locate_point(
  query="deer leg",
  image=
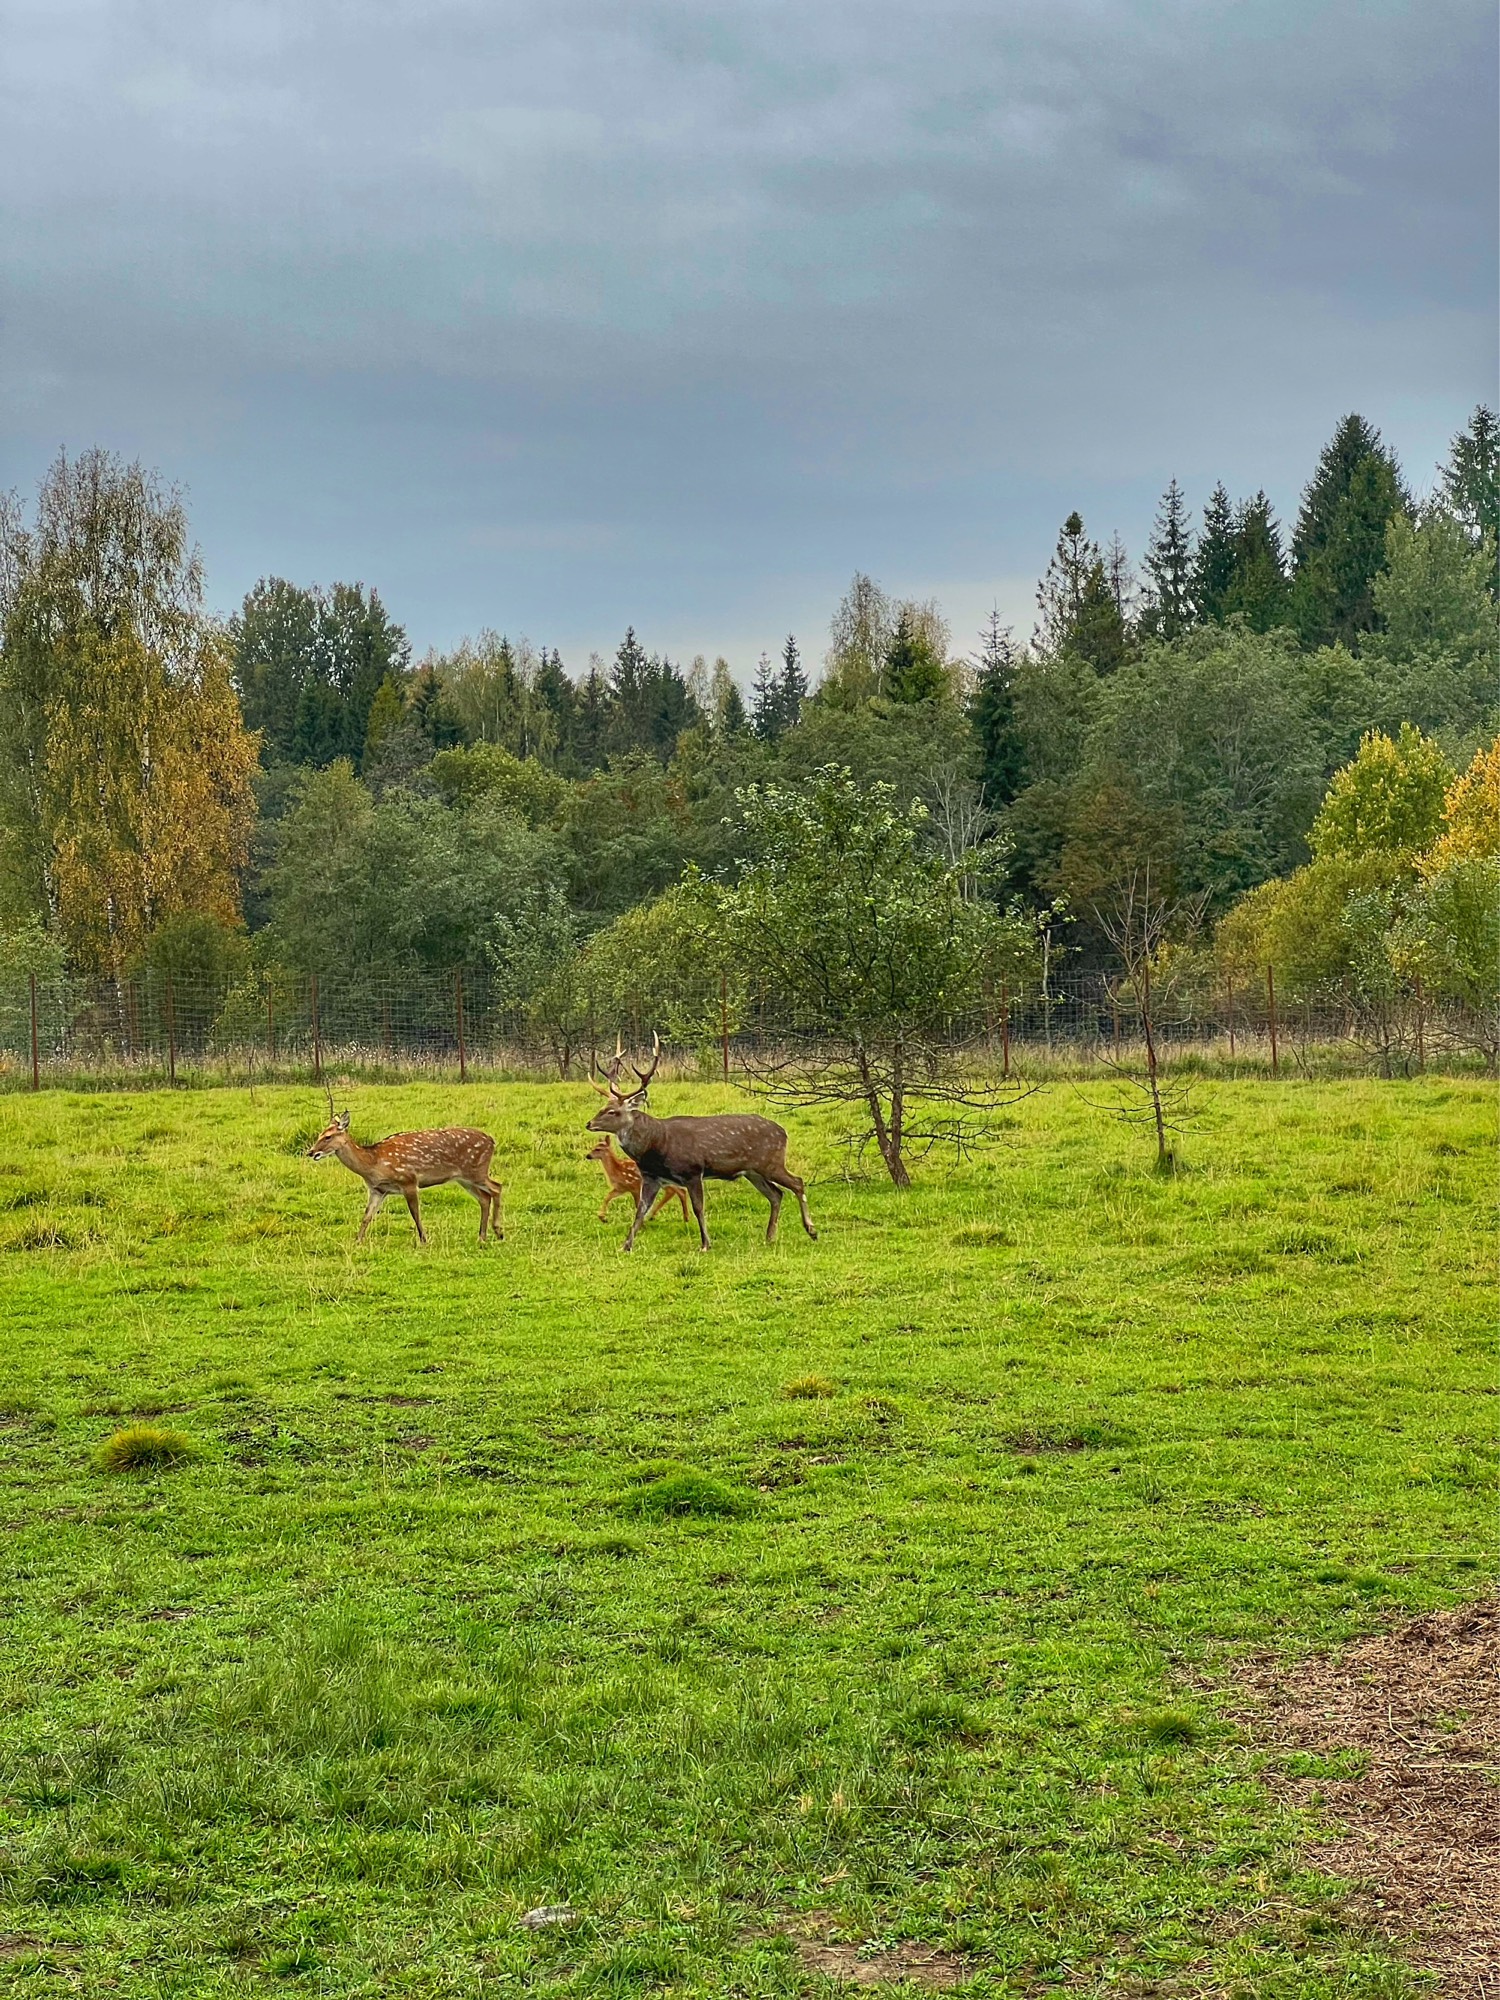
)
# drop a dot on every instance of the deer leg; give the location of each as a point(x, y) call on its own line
point(416, 1212)
point(497, 1209)
point(799, 1188)
point(695, 1195)
point(609, 1200)
point(481, 1193)
point(372, 1209)
point(649, 1191)
point(773, 1196)
point(667, 1195)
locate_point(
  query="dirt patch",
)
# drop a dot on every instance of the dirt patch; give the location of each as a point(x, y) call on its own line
point(1396, 1743)
point(872, 1964)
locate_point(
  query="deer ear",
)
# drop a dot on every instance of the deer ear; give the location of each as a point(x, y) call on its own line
point(342, 1121)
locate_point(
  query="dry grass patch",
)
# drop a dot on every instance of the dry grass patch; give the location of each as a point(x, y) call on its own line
point(1397, 1741)
point(144, 1447)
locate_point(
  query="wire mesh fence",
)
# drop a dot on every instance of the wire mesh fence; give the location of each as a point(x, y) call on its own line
point(157, 1029)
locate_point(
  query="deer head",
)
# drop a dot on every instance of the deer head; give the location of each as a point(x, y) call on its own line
point(332, 1136)
point(623, 1107)
point(603, 1151)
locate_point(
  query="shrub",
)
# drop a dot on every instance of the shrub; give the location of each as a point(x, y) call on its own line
point(139, 1447)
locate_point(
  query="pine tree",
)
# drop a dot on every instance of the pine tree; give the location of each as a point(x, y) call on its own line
point(765, 703)
point(1169, 565)
point(791, 686)
point(273, 641)
point(992, 712)
point(913, 672)
point(1213, 567)
point(1338, 548)
point(1471, 478)
point(1257, 587)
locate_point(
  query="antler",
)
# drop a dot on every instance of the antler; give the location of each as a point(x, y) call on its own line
point(640, 1080)
point(328, 1093)
point(610, 1075)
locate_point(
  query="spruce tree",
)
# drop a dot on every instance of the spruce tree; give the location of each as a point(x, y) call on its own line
point(1059, 595)
point(591, 719)
point(1338, 548)
point(1169, 566)
point(1471, 478)
point(1213, 567)
point(1099, 632)
point(1257, 587)
point(631, 696)
point(791, 686)
point(765, 701)
point(992, 712)
point(913, 672)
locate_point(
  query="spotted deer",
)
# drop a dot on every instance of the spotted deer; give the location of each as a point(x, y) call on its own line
point(408, 1161)
point(624, 1178)
point(684, 1152)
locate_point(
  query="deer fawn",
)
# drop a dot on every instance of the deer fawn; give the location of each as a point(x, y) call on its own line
point(624, 1178)
point(411, 1160)
point(684, 1152)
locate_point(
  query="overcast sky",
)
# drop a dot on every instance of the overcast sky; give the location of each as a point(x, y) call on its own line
point(554, 315)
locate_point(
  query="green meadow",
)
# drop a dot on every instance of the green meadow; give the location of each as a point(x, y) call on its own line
point(886, 1588)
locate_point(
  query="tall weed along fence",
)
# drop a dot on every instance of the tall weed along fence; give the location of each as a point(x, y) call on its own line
point(156, 1030)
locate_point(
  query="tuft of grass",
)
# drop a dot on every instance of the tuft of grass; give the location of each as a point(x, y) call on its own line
point(143, 1448)
point(980, 1236)
point(1167, 1726)
point(685, 1493)
point(809, 1388)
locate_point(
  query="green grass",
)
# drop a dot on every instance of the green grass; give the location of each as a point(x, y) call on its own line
point(894, 1576)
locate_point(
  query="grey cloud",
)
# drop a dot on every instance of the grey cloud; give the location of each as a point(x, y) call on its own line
point(561, 314)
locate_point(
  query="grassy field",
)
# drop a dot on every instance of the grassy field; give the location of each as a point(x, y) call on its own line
point(878, 1587)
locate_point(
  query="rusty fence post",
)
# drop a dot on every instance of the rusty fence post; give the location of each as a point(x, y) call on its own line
point(724, 1022)
point(1271, 1015)
point(36, 1052)
point(317, 1031)
point(1421, 1026)
point(458, 1009)
point(1229, 1011)
point(1005, 1028)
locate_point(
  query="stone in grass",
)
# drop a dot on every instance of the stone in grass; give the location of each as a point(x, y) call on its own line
point(551, 1914)
point(143, 1448)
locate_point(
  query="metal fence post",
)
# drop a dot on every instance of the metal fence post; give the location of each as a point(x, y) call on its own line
point(724, 1022)
point(171, 1034)
point(36, 1053)
point(317, 1028)
point(458, 1003)
point(1005, 1028)
point(270, 1020)
point(1271, 1011)
point(1421, 1026)
point(1229, 1012)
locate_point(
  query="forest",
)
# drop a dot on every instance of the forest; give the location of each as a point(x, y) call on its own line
point(1288, 735)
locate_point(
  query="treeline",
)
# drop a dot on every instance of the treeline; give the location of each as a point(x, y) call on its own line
point(292, 787)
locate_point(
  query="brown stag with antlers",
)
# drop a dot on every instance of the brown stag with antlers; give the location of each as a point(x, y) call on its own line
point(684, 1152)
point(408, 1161)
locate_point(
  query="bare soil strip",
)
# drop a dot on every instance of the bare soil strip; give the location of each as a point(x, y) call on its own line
point(1405, 1731)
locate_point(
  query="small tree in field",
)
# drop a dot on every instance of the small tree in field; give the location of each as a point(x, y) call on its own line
point(866, 953)
point(1139, 921)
